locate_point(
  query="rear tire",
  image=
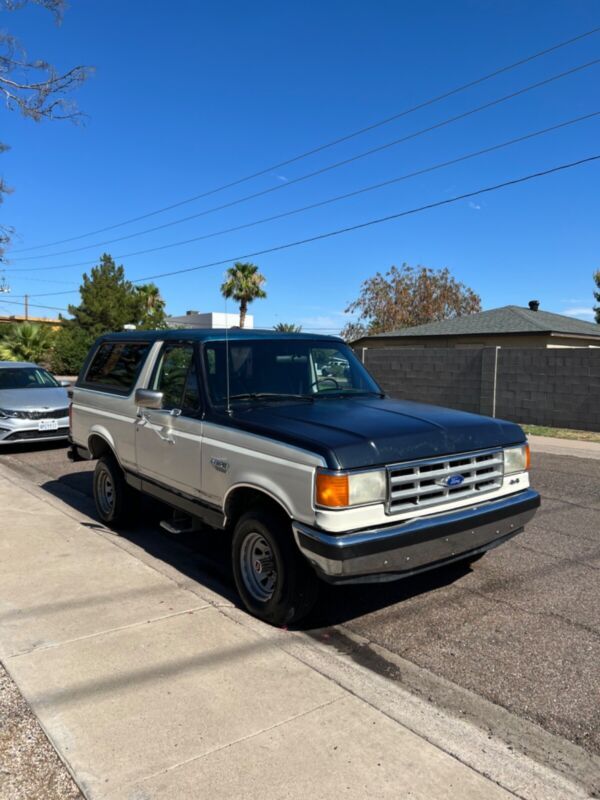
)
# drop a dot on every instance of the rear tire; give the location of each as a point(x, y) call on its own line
point(112, 495)
point(275, 582)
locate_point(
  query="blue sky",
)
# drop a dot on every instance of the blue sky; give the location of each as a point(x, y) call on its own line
point(187, 96)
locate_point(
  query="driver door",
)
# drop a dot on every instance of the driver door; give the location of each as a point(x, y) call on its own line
point(168, 440)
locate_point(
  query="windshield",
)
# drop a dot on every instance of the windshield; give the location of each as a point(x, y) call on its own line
point(276, 369)
point(26, 378)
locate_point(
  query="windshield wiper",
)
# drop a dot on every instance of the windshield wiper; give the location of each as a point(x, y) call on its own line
point(349, 392)
point(271, 396)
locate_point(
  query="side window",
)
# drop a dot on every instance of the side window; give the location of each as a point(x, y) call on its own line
point(176, 378)
point(116, 365)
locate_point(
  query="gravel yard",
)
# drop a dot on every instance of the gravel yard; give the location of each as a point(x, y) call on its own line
point(29, 766)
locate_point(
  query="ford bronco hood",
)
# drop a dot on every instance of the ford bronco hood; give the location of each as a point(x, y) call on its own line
point(369, 431)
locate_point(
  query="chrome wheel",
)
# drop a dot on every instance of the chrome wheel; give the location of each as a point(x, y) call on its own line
point(105, 493)
point(258, 567)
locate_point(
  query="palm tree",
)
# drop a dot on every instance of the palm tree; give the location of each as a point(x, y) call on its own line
point(23, 341)
point(151, 306)
point(244, 284)
point(287, 327)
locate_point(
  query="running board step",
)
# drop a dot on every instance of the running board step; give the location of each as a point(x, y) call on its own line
point(177, 526)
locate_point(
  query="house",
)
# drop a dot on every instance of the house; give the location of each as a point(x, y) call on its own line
point(508, 326)
point(209, 319)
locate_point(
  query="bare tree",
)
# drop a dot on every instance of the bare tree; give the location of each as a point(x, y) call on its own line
point(408, 296)
point(33, 87)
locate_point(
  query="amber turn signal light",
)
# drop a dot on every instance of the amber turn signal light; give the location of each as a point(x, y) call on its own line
point(332, 490)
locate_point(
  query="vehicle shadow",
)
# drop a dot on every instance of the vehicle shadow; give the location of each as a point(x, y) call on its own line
point(339, 604)
point(19, 448)
point(204, 556)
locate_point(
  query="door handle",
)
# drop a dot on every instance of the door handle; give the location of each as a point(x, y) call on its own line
point(144, 417)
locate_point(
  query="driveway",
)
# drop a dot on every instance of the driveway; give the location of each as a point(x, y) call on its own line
point(521, 628)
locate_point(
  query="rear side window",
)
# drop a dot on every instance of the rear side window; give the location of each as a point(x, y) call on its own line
point(116, 365)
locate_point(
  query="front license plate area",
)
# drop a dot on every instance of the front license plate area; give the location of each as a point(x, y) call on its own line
point(48, 425)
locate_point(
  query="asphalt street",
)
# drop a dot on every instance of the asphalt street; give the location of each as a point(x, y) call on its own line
point(520, 628)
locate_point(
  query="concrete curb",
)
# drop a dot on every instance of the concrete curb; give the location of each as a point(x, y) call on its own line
point(564, 447)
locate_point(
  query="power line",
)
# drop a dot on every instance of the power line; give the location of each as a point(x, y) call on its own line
point(327, 168)
point(372, 187)
point(33, 305)
point(369, 223)
point(377, 221)
point(333, 143)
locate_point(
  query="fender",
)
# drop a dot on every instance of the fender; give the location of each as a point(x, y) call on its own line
point(266, 487)
point(102, 433)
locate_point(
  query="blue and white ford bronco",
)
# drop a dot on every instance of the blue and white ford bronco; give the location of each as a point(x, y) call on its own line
point(287, 444)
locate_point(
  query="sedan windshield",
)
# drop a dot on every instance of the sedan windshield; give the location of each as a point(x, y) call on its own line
point(26, 378)
point(271, 370)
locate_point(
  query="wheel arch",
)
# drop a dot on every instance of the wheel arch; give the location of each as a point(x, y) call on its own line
point(245, 497)
point(100, 443)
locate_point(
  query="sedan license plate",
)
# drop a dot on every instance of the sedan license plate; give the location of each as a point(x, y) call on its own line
point(48, 425)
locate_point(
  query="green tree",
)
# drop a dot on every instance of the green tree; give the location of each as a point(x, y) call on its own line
point(287, 327)
point(108, 300)
point(597, 296)
point(23, 341)
point(408, 296)
point(243, 283)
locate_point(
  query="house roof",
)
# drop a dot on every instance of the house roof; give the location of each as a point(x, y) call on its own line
point(507, 319)
point(192, 320)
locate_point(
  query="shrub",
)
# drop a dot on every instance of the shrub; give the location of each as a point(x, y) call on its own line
point(24, 341)
point(71, 346)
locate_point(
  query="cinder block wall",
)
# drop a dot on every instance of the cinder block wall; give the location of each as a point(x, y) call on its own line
point(557, 387)
point(443, 376)
point(550, 387)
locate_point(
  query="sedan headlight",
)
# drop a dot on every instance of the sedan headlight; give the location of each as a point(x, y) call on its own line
point(516, 459)
point(346, 489)
point(5, 413)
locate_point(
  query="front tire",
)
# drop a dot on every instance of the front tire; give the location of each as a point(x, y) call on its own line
point(112, 495)
point(275, 582)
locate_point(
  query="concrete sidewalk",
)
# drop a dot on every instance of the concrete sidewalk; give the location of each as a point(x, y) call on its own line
point(151, 686)
point(564, 447)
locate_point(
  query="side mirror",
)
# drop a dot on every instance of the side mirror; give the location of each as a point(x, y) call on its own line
point(64, 384)
point(146, 398)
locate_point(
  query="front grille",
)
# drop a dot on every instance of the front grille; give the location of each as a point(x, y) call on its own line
point(19, 436)
point(424, 483)
point(56, 413)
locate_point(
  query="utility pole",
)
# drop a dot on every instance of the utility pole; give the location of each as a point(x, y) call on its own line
point(26, 306)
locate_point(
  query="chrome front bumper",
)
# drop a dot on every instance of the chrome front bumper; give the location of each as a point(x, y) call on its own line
point(424, 543)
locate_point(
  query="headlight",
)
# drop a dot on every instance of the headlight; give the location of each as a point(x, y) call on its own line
point(4, 414)
point(516, 459)
point(344, 489)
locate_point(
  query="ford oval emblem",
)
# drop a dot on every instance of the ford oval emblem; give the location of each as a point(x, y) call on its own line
point(454, 480)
